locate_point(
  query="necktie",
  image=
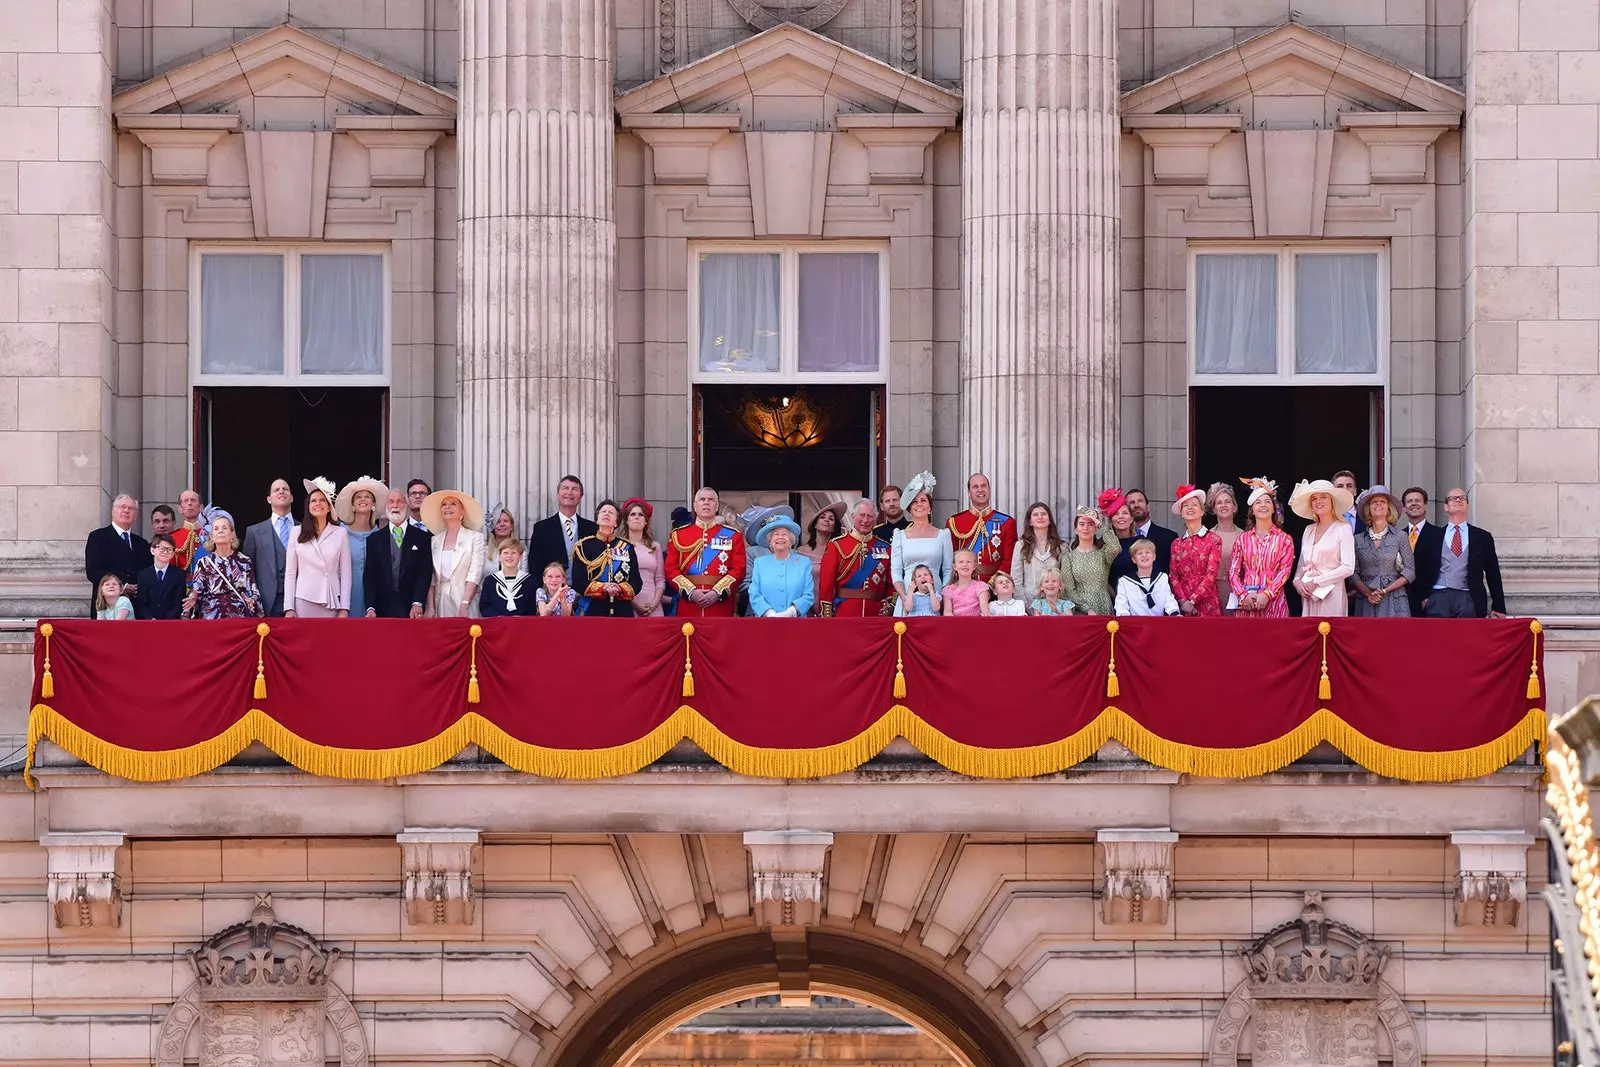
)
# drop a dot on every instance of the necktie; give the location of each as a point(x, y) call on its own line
point(1455, 540)
point(127, 539)
point(566, 529)
point(399, 535)
point(283, 529)
point(1414, 529)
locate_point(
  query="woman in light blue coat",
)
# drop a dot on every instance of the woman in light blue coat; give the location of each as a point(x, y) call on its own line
point(780, 581)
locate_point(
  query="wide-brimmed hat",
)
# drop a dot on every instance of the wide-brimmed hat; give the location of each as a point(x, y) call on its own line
point(1395, 513)
point(756, 518)
point(325, 485)
point(1300, 499)
point(344, 505)
point(433, 516)
point(777, 522)
point(839, 508)
point(1184, 493)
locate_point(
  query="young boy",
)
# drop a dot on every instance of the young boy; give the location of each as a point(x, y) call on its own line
point(161, 585)
point(506, 592)
point(1146, 592)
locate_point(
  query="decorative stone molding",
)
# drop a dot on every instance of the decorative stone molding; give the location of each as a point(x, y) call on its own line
point(1181, 144)
point(397, 145)
point(786, 869)
point(680, 145)
point(788, 181)
point(1300, 959)
point(1138, 875)
point(438, 876)
point(764, 17)
point(1492, 883)
point(278, 961)
point(180, 145)
point(897, 144)
point(83, 886)
point(1399, 141)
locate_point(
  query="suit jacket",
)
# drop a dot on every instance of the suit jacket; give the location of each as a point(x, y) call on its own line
point(319, 570)
point(261, 544)
point(546, 545)
point(160, 598)
point(105, 552)
point(393, 601)
point(1483, 569)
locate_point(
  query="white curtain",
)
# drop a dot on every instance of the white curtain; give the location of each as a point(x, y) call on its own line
point(1236, 314)
point(740, 312)
point(839, 311)
point(241, 314)
point(341, 314)
point(1336, 313)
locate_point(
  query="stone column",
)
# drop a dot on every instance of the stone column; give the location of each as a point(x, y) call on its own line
point(1039, 218)
point(537, 363)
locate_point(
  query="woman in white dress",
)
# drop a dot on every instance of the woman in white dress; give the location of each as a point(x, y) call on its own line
point(920, 543)
point(459, 550)
point(1327, 548)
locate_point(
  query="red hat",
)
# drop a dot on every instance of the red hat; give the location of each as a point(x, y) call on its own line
point(649, 512)
point(1110, 500)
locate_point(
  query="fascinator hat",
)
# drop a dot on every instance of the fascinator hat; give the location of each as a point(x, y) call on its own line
point(1185, 493)
point(321, 485)
point(919, 483)
point(1259, 487)
point(1092, 514)
point(1111, 501)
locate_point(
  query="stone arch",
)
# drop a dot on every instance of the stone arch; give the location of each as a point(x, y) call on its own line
point(675, 987)
point(1227, 1036)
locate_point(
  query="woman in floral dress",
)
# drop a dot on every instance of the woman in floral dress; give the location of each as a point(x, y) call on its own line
point(223, 585)
point(1086, 566)
point(1263, 556)
point(1196, 556)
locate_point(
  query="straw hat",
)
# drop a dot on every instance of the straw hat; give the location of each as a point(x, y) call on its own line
point(1395, 514)
point(1185, 493)
point(1300, 499)
point(344, 505)
point(433, 515)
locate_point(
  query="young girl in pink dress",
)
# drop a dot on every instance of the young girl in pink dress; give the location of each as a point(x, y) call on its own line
point(966, 595)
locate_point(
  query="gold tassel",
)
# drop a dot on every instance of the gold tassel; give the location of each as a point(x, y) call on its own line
point(899, 660)
point(262, 630)
point(1534, 690)
point(688, 663)
point(1324, 689)
point(473, 695)
point(47, 681)
point(1113, 687)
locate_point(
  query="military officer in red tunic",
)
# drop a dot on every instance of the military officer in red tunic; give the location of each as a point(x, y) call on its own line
point(854, 581)
point(705, 561)
point(988, 534)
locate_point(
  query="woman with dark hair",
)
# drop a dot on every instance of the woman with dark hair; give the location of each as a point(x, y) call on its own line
point(605, 570)
point(1086, 566)
point(1113, 504)
point(652, 560)
point(823, 527)
point(316, 566)
point(1263, 556)
point(1039, 549)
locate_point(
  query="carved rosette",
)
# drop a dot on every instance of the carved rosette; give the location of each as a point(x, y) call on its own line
point(807, 14)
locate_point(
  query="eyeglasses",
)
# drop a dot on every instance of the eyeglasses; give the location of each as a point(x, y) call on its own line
point(1455, 500)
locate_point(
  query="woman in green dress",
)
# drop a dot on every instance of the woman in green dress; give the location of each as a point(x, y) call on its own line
point(1086, 564)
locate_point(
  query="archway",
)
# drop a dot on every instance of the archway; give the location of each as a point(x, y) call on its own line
point(680, 986)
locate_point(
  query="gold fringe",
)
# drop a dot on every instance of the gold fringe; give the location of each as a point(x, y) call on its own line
point(1324, 689)
point(473, 695)
point(1113, 687)
point(1533, 672)
point(899, 660)
point(262, 630)
point(47, 681)
point(688, 662)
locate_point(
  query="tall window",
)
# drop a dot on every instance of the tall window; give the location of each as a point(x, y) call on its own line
point(280, 316)
point(1287, 315)
point(788, 313)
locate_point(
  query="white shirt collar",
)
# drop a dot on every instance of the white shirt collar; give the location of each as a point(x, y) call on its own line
point(120, 531)
point(1143, 529)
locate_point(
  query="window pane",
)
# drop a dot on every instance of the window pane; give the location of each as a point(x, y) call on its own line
point(241, 314)
point(739, 312)
point(341, 314)
point(1235, 314)
point(839, 312)
point(1336, 313)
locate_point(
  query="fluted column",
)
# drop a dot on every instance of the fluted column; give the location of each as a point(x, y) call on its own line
point(537, 362)
point(1039, 235)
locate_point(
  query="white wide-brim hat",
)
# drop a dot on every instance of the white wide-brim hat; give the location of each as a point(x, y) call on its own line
point(433, 515)
point(1300, 499)
point(344, 505)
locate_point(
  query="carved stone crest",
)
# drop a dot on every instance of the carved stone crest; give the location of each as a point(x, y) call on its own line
point(808, 14)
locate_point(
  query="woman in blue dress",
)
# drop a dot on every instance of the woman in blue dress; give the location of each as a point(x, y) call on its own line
point(357, 508)
point(780, 580)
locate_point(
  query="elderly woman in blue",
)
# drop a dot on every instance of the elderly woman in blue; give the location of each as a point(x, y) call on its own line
point(780, 581)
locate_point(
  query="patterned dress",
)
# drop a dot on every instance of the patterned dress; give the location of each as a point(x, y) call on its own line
point(1262, 565)
point(225, 587)
point(1195, 561)
point(1379, 561)
point(1086, 576)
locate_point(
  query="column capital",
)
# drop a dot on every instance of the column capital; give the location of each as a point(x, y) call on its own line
point(1492, 881)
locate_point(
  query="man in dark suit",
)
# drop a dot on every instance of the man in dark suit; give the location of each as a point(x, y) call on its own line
point(1414, 502)
point(267, 544)
point(162, 584)
point(1458, 572)
point(1156, 534)
point(399, 565)
point(552, 539)
point(116, 549)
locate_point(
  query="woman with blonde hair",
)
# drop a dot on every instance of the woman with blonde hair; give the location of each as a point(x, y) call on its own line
point(503, 529)
point(316, 569)
point(1224, 504)
point(459, 553)
point(357, 507)
point(1385, 564)
point(223, 585)
point(1327, 548)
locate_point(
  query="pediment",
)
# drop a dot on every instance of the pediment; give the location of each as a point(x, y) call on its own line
point(786, 78)
point(1291, 76)
point(285, 77)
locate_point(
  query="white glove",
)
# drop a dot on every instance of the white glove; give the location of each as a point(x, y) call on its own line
point(790, 612)
point(769, 614)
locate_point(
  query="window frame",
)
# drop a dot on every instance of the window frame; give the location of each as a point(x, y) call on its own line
point(292, 254)
point(789, 253)
point(1287, 252)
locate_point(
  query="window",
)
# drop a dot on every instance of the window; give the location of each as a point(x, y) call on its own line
point(788, 313)
point(1293, 314)
point(280, 316)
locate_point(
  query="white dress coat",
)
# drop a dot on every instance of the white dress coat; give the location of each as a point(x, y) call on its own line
point(450, 599)
point(318, 571)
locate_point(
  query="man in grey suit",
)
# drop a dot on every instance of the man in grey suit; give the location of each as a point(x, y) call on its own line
point(266, 543)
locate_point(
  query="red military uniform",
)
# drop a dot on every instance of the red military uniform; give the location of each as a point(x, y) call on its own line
point(854, 578)
point(706, 557)
point(989, 534)
point(186, 538)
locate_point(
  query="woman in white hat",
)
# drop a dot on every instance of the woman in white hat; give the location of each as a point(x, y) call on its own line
point(919, 543)
point(1263, 556)
point(357, 508)
point(459, 551)
point(316, 565)
point(1385, 564)
point(1327, 548)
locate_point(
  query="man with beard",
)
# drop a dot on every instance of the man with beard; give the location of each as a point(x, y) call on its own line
point(1160, 536)
point(854, 580)
point(890, 515)
point(399, 564)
